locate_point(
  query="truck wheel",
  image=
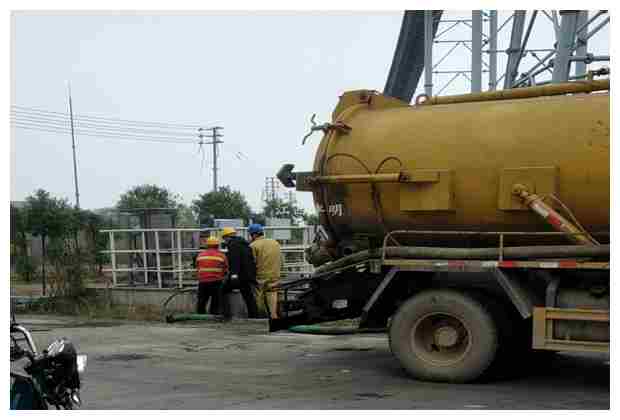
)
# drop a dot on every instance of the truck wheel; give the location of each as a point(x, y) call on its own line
point(444, 336)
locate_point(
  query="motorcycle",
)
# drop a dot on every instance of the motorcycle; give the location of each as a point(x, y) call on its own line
point(52, 377)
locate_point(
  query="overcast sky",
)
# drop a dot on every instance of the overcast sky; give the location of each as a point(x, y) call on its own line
point(259, 75)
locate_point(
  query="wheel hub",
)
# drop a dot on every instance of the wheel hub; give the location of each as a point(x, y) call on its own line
point(446, 336)
point(440, 339)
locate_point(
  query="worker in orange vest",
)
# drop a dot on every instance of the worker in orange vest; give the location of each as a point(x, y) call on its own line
point(212, 266)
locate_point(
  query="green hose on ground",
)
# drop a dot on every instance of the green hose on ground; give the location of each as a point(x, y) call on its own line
point(301, 329)
point(192, 317)
point(330, 330)
point(204, 317)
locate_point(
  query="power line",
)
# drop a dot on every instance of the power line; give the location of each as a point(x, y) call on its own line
point(83, 133)
point(104, 130)
point(107, 136)
point(91, 117)
point(132, 130)
point(65, 119)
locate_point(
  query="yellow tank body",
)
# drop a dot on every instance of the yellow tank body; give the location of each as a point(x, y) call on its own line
point(460, 162)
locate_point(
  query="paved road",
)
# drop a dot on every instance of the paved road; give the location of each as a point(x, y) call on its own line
point(240, 366)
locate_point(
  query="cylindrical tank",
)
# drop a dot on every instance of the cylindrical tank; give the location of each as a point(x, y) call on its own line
point(461, 161)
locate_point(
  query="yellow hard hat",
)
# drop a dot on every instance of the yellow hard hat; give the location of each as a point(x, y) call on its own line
point(228, 231)
point(212, 241)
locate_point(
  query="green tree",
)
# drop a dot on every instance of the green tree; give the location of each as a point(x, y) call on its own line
point(48, 217)
point(19, 230)
point(221, 204)
point(97, 241)
point(186, 216)
point(24, 268)
point(148, 196)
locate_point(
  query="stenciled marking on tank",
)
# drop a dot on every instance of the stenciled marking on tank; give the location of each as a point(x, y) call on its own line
point(335, 209)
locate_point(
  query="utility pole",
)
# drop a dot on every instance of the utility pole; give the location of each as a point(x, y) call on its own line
point(214, 141)
point(75, 177)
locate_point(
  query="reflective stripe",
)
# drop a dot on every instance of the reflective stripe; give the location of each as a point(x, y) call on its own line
point(210, 257)
point(211, 270)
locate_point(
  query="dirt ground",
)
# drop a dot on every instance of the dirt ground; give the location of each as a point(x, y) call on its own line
point(239, 365)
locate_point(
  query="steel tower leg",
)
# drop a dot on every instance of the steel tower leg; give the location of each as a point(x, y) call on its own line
point(568, 27)
point(476, 51)
point(492, 49)
point(514, 51)
point(428, 52)
point(582, 42)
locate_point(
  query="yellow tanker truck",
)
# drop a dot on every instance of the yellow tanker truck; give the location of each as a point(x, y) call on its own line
point(474, 227)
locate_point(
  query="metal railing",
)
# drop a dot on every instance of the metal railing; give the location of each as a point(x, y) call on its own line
point(163, 257)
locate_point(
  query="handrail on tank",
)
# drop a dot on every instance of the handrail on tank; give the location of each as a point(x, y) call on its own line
point(517, 93)
point(501, 235)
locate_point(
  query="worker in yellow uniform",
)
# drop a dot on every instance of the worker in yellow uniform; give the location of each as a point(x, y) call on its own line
point(268, 260)
point(212, 266)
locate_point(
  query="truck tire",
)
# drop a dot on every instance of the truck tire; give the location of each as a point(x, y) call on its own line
point(444, 336)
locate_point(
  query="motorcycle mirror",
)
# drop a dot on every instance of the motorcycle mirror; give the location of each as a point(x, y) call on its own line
point(81, 363)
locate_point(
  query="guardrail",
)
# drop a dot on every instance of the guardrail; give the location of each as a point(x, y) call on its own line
point(163, 257)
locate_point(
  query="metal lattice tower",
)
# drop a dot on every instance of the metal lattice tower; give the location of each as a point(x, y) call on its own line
point(507, 49)
point(271, 191)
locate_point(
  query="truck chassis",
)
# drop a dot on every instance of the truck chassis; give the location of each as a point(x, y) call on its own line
point(458, 320)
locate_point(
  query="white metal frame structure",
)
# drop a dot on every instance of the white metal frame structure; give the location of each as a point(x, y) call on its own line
point(180, 268)
point(479, 33)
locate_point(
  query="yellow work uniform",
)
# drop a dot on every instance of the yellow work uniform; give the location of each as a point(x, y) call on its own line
point(268, 260)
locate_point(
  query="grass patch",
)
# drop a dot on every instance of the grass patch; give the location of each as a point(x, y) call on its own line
point(91, 306)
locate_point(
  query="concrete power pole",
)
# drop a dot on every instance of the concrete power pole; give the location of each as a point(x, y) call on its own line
point(214, 141)
point(75, 177)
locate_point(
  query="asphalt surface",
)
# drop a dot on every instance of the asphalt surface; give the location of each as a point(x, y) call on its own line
point(238, 365)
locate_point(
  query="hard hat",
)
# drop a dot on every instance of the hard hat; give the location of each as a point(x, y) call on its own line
point(255, 228)
point(212, 241)
point(228, 231)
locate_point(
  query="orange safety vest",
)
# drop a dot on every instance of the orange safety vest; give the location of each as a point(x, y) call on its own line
point(211, 265)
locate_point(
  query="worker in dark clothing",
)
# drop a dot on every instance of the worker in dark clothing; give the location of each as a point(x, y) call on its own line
point(212, 266)
point(242, 269)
